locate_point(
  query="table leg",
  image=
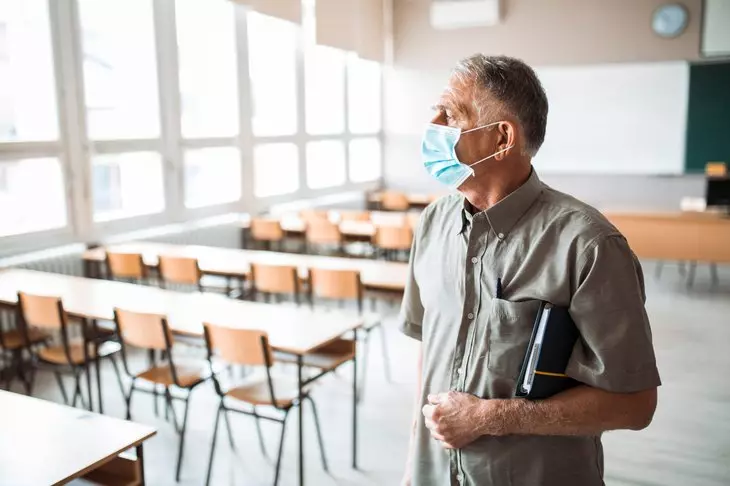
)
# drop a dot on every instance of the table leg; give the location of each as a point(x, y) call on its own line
point(85, 323)
point(97, 365)
point(354, 403)
point(140, 461)
point(301, 420)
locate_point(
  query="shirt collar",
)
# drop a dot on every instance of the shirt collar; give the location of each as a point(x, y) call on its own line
point(503, 215)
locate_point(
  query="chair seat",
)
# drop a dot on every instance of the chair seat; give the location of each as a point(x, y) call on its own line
point(188, 374)
point(256, 391)
point(14, 339)
point(327, 357)
point(57, 354)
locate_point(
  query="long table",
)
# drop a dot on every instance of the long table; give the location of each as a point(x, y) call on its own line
point(45, 443)
point(228, 262)
point(295, 330)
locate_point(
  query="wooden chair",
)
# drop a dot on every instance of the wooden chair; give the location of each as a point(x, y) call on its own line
point(126, 266)
point(267, 231)
point(392, 240)
point(274, 280)
point(323, 234)
point(180, 271)
point(251, 348)
point(45, 314)
point(354, 215)
point(13, 344)
point(152, 333)
point(308, 215)
point(345, 285)
point(394, 201)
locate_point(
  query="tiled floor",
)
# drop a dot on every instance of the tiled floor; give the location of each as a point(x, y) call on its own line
point(687, 444)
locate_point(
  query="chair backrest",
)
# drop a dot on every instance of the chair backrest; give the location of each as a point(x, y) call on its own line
point(41, 311)
point(266, 229)
point(314, 215)
point(335, 284)
point(322, 231)
point(125, 265)
point(239, 346)
point(354, 215)
point(394, 201)
point(142, 330)
point(275, 279)
point(179, 270)
point(393, 237)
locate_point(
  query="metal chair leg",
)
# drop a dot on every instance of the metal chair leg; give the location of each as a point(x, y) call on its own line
point(365, 360)
point(230, 430)
point(128, 400)
point(59, 380)
point(384, 349)
point(319, 433)
point(212, 445)
point(713, 275)
point(169, 406)
point(281, 449)
point(691, 274)
point(658, 269)
point(117, 373)
point(260, 434)
point(182, 437)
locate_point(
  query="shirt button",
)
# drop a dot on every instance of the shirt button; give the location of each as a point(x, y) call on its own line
point(474, 259)
point(470, 316)
point(500, 236)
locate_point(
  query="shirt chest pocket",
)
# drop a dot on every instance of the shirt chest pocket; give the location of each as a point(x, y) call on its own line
point(510, 327)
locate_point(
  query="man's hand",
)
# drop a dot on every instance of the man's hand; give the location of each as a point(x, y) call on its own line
point(455, 419)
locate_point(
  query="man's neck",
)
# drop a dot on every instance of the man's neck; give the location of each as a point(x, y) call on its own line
point(483, 194)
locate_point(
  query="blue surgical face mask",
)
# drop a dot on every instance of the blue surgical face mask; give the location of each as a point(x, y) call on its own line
point(438, 151)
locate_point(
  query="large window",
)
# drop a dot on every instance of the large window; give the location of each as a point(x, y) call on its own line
point(120, 69)
point(212, 176)
point(363, 95)
point(128, 184)
point(275, 169)
point(31, 196)
point(272, 66)
point(27, 93)
point(325, 164)
point(325, 90)
point(365, 159)
point(206, 40)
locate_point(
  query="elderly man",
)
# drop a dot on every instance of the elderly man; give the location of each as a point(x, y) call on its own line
point(482, 261)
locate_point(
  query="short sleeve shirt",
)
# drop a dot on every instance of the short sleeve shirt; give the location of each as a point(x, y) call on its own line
point(542, 245)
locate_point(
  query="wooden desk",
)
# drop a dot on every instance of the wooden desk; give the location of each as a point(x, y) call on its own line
point(295, 330)
point(682, 236)
point(46, 443)
point(228, 262)
point(415, 200)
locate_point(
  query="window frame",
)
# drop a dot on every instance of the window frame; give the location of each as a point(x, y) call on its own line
point(74, 149)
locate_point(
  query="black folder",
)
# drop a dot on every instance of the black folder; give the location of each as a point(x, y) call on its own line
point(543, 370)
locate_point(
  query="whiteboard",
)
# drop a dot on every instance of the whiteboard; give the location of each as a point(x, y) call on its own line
point(615, 118)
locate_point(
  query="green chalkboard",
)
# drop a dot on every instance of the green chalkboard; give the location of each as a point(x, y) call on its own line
point(708, 117)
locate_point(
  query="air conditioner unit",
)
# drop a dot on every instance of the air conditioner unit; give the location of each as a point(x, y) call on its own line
point(459, 14)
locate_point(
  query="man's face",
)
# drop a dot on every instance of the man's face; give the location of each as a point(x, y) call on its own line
point(456, 108)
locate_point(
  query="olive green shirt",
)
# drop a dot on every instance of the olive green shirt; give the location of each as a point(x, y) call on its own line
point(544, 246)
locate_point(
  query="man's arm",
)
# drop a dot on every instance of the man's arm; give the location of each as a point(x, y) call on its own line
point(417, 408)
point(457, 419)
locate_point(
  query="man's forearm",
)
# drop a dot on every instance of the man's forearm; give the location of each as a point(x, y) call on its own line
point(581, 410)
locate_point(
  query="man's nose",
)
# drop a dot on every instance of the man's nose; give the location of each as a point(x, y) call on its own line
point(439, 118)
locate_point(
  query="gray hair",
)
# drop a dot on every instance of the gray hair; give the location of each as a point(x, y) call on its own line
point(515, 85)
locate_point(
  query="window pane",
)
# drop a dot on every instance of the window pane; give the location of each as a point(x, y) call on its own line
point(27, 98)
point(275, 169)
point(128, 184)
point(31, 202)
point(365, 159)
point(325, 164)
point(325, 90)
point(363, 95)
point(212, 176)
point(120, 71)
point(272, 67)
point(206, 41)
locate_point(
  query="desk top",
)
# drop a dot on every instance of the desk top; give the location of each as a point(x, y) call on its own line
point(235, 262)
point(293, 223)
point(297, 330)
point(46, 443)
point(414, 198)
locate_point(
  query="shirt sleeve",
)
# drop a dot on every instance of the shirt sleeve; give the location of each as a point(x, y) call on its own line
point(615, 350)
point(411, 313)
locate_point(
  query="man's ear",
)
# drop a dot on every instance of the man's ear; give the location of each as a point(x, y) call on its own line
point(506, 138)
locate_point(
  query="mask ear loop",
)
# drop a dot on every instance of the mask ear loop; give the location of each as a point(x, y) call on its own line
point(493, 155)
